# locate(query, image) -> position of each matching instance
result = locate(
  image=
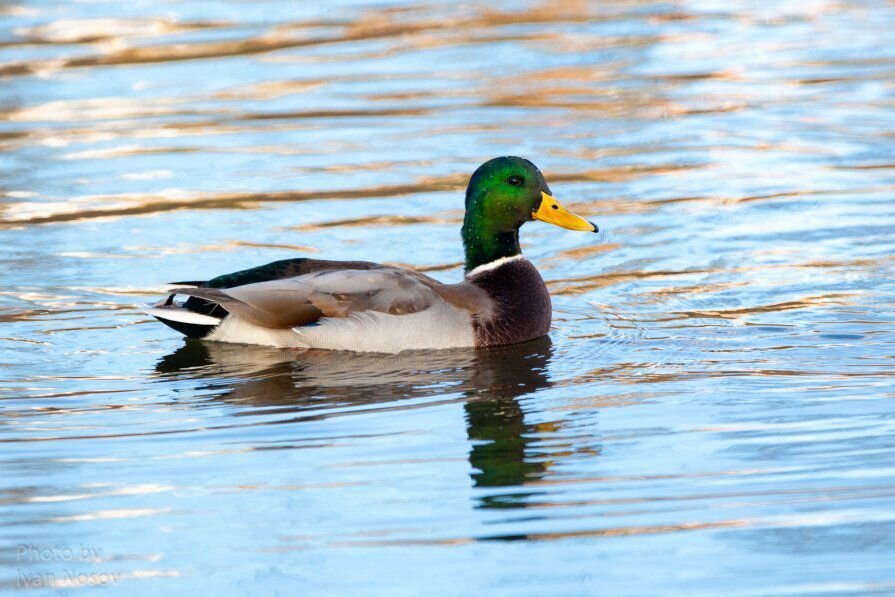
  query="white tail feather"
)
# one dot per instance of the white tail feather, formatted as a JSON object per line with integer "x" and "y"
{"x": 180, "y": 315}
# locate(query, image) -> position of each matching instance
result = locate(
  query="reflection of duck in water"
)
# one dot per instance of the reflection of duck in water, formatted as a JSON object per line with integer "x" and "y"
{"x": 361, "y": 306}
{"x": 489, "y": 381}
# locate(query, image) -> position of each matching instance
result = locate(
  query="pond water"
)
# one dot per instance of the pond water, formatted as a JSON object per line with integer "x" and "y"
{"x": 713, "y": 410}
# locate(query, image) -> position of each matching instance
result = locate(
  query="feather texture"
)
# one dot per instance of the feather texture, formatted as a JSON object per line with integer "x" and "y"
{"x": 180, "y": 315}
{"x": 372, "y": 308}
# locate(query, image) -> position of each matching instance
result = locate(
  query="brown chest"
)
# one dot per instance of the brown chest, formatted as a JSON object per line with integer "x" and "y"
{"x": 522, "y": 309}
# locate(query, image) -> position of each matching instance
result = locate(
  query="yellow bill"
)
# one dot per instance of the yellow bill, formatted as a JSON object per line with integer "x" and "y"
{"x": 552, "y": 212}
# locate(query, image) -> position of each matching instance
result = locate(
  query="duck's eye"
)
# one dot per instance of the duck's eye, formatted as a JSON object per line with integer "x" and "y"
{"x": 516, "y": 181}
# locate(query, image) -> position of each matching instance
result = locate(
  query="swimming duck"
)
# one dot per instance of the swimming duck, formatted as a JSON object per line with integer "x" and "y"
{"x": 369, "y": 307}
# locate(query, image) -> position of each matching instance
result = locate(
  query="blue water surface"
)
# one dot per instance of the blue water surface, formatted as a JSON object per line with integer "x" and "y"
{"x": 712, "y": 413}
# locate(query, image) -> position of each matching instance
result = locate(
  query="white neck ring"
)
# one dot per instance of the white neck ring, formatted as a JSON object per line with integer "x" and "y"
{"x": 491, "y": 265}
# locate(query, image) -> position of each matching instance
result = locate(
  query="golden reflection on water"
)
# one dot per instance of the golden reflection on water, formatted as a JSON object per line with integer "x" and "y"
{"x": 376, "y": 24}
{"x": 89, "y": 207}
{"x": 720, "y": 363}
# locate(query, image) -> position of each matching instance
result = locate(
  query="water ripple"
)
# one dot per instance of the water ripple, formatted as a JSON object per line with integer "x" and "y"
{"x": 713, "y": 403}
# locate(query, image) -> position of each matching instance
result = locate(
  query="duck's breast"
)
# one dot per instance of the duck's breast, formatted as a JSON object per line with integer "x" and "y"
{"x": 521, "y": 304}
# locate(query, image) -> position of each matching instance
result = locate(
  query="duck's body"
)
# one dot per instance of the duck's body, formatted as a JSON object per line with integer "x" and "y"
{"x": 365, "y": 307}
{"x": 362, "y": 306}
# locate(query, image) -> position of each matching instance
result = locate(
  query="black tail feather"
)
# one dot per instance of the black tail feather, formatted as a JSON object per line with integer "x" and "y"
{"x": 190, "y": 330}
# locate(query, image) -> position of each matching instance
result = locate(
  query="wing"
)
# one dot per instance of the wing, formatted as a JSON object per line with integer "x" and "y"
{"x": 303, "y": 299}
{"x": 197, "y": 316}
{"x": 276, "y": 270}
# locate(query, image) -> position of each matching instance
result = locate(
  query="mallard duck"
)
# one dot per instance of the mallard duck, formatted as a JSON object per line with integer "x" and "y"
{"x": 369, "y": 307}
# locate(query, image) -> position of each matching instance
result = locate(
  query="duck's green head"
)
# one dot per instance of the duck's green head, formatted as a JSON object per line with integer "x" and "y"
{"x": 503, "y": 194}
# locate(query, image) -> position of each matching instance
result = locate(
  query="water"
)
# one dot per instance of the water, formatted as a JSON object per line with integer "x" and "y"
{"x": 712, "y": 413}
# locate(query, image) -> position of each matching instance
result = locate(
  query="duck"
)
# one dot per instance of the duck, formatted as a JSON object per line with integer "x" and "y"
{"x": 360, "y": 306}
